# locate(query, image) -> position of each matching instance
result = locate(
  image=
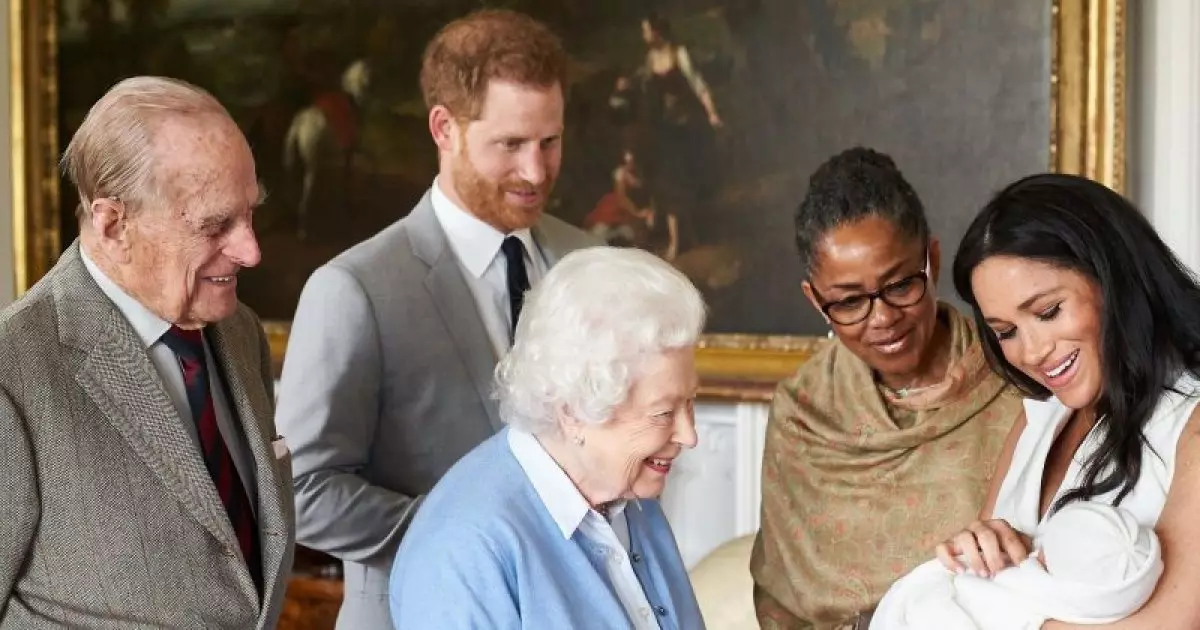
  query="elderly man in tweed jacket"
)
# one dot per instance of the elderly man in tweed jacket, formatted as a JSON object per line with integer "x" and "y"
{"x": 141, "y": 485}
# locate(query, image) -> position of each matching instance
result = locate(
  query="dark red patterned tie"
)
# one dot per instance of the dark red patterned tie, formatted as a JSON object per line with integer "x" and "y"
{"x": 188, "y": 345}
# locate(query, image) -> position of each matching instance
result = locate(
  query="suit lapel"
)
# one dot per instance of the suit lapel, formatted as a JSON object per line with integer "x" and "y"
{"x": 455, "y": 303}
{"x": 545, "y": 247}
{"x": 250, "y": 404}
{"x": 458, "y": 310}
{"x": 118, "y": 377}
{"x": 556, "y": 239}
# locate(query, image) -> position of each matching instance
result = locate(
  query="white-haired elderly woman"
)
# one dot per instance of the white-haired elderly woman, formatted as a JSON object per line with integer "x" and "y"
{"x": 554, "y": 521}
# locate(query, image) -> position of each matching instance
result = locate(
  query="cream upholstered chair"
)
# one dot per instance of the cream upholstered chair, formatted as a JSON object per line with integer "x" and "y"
{"x": 724, "y": 587}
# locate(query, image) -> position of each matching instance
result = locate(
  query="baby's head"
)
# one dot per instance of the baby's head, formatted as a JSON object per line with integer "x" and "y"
{"x": 1093, "y": 543}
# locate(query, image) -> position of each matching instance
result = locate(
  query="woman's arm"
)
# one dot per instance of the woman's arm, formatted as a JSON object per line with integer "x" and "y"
{"x": 1002, "y": 465}
{"x": 1174, "y": 603}
{"x": 698, "y": 85}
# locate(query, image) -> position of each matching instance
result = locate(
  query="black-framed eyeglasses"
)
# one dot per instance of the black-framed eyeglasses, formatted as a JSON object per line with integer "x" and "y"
{"x": 855, "y": 308}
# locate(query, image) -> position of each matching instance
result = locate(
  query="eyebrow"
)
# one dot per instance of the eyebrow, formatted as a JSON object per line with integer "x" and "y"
{"x": 214, "y": 220}
{"x": 852, "y": 286}
{"x": 1024, "y": 306}
{"x": 673, "y": 399}
{"x": 515, "y": 137}
{"x": 661, "y": 401}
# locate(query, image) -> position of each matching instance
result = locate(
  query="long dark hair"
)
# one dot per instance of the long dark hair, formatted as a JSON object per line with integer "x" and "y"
{"x": 1150, "y": 319}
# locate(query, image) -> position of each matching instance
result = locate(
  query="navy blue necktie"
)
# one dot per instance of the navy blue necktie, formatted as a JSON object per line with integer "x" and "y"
{"x": 518, "y": 280}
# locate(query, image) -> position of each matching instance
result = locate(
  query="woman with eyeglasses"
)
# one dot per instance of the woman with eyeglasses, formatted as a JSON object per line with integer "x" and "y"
{"x": 884, "y": 441}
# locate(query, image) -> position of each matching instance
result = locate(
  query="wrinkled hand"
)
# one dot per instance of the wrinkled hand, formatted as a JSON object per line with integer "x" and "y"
{"x": 985, "y": 547}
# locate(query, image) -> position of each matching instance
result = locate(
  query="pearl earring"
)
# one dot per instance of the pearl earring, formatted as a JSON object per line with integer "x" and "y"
{"x": 578, "y": 439}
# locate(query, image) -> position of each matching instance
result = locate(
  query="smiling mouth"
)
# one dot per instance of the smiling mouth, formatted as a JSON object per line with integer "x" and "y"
{"x": 659, "y": 464}
{"x": 895, "y": 344}
{"x": 222, "y": 279}
{"x": 1064, "y": 366}
{"x": 525, "y": 196}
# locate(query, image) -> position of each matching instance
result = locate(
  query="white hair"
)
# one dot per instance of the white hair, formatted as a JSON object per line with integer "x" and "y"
{"x": 110, "y": 154}
{"x": 584, "y": 331}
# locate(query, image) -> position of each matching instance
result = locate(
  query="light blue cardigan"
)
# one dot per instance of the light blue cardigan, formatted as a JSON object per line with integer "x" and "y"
{"x": 484, "y": 553}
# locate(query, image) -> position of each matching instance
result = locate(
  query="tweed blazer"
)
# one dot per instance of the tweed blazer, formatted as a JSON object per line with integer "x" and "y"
{"x": 108, "y": 517}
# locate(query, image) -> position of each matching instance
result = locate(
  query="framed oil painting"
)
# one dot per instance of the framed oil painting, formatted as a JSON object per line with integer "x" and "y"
{"x": 692, "y": 125}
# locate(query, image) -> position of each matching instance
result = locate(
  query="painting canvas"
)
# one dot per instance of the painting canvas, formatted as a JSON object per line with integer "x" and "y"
{"x": 692, "y": 125}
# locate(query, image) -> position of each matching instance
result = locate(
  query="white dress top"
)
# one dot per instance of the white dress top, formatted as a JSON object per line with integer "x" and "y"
{"x": 1018, "y": 499}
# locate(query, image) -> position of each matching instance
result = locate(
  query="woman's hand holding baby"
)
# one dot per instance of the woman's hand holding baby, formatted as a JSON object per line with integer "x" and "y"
{"x": 985, "y": 547}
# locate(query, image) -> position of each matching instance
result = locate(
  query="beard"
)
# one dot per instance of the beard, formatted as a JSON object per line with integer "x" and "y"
{"x": 485, "y": 198}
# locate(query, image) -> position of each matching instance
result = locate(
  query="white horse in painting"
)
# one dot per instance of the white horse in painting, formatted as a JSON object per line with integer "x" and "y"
{"x": 309, "y": 137}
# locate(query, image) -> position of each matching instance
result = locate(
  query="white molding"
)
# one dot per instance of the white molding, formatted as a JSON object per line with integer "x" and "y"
{"x": 751, "y": 431}
{"x": 713, "y": 495}
{"x": 1167, "y": 126}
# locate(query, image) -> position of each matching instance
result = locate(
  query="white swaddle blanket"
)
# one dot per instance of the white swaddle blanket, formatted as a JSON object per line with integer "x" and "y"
{"x": 1100, "y": 566}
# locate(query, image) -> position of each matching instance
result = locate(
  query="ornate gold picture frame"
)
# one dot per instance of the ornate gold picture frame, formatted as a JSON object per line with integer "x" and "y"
{"x": 1087, "y": 136}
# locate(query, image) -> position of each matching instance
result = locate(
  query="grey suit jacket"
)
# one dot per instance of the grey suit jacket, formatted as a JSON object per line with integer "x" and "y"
{"x": 108, "y": 517}
{"x": 387, "y": 382}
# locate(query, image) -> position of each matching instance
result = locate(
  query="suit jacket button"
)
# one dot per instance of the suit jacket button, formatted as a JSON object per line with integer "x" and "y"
{"x": 636, "y": 557}
{"x": 662, "y": 612}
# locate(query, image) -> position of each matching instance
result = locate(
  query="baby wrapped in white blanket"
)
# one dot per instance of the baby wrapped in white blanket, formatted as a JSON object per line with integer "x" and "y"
{"x": 1092, "y": 564}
